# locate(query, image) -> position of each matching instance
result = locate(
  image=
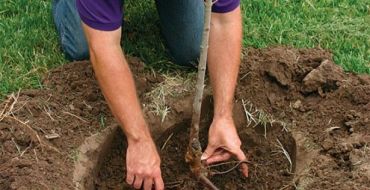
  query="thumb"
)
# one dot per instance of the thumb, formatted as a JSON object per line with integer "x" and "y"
{"x": 208, "y": 152}
{"x": 241, "y": 157}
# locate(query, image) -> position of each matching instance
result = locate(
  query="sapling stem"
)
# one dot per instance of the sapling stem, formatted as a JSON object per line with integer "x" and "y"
{"x": 194, "y": 153}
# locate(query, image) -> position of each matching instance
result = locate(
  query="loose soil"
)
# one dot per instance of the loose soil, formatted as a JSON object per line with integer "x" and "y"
{"x": 293, "y": 92}
{"x": 69, "y": 107}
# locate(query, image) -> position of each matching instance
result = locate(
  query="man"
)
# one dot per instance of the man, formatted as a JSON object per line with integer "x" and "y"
{"x": 181, "y": 25}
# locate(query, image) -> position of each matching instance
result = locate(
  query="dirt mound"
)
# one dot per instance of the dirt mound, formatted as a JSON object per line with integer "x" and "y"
{"x": 297, "y": 91}
{"x": 40, "y": 130}
{"x": 328, "y": 112}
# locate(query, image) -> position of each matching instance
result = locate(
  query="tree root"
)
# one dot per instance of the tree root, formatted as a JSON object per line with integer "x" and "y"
{"x": 229, "y": 170}
{"x": 208, "y": 183}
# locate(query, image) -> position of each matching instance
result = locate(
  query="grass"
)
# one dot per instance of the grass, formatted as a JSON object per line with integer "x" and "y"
{"x": 29, "y": 44}
{"x": 339, "y": 25}
{"x": 174, "y": 84}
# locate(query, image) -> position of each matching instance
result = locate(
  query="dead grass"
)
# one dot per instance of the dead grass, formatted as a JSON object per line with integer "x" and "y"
{"x": 174, "y": 85}
{"x": 8, "y": 112}
{"x": 286, "y": 154}
{"x": 258, "y": 117}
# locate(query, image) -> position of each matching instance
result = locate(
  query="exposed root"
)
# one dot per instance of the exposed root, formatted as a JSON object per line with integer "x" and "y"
{"x": 237, "y": 163}
{"x": 174, "y": 184}
{"x": 208, "y": 183}
{"x": 231, "y": 169}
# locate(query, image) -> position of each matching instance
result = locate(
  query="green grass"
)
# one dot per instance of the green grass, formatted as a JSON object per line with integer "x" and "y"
{"x": 339, "y": 25}
{"x": 29, "y": 44}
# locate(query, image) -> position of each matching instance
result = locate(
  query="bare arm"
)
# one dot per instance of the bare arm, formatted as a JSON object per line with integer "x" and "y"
{"x": 224, "y": 61}
{"x": 117, "y": 84}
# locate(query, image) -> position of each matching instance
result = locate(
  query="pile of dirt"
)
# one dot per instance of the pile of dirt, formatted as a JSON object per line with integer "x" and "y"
{"x": 41, "y": 130}
{"x": 284, "y": 91}
{"x": 328, "y": 111}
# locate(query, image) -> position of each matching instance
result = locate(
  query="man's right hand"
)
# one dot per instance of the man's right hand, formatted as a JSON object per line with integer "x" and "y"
{"x": 143, "y": 165}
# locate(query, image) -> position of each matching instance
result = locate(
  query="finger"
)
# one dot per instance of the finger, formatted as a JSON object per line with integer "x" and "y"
{"x": 219, "y": 158}
{"x": 208, "y": 152}
{"x": 138, "y": 182}
{"x": 158, "y": 181}
{"x": 148, "y": 183}
{"x": 241, "y": 157}
{"x": 129, "y": 178}
{"x": 218, "y": 151}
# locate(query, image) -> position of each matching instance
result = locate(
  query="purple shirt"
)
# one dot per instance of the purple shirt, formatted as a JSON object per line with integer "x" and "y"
{"x": 107, "y": 14}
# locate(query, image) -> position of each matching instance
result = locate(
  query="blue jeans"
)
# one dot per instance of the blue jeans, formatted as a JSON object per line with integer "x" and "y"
{"x": 181, "y": 27}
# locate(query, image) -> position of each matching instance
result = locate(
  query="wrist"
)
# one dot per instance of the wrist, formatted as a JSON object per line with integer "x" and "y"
{"x": 225, "y": 114}
{"x": 223, "y": 110}
{"x": 223, "y": 121}
{"x": 140, "y": 137}
{"x": 136, "y": 131}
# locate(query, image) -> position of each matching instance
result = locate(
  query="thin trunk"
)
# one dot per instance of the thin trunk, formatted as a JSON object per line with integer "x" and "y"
{"x": 194, "y": 152}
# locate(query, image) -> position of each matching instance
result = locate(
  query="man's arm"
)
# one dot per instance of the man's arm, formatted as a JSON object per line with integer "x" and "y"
{"x": 224, "y": 61}
{"x": 117, "y": 84}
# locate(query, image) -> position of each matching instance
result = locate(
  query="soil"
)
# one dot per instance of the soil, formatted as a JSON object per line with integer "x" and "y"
{"x": 297, "y": 93}
{"x": 68, "y": 109}
{"x": 327, "y": 109}
{"x": 269, "y": 168}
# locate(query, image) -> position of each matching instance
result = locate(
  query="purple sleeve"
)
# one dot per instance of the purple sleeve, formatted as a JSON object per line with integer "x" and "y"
{"x": 101, "y": 14}
{"x": 224, "y": 6}
{"x": 106, "y": 15}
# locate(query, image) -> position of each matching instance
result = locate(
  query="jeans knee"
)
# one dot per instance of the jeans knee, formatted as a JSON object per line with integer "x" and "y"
{"x": 187, "y": 56}
{"x": 75, "y": 52}
{"x": 68, "y": 24}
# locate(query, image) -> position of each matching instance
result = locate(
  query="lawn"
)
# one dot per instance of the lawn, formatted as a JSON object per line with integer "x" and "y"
{"x": 29, "y": 45}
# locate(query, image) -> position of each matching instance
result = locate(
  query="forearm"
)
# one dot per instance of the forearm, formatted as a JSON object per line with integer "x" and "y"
{"x": 117, "y": 84}
{"x": 224, "y": 59}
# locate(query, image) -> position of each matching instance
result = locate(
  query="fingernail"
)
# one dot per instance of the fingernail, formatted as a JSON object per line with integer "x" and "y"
{"x": 203, "y": 157}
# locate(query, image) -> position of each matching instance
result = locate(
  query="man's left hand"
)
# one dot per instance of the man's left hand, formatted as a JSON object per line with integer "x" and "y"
{"x": 223, "y": 143}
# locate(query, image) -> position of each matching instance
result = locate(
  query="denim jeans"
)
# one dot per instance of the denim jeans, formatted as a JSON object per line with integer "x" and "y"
{"x": 181, "y": 27}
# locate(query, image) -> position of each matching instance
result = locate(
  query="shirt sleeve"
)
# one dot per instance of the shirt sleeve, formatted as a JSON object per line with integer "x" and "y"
{"x": 103, "y": 15}
{"x": 225, "y": 6}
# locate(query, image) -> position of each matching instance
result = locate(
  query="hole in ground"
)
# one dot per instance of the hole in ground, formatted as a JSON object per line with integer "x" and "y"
{"x": 269, "y": 168}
